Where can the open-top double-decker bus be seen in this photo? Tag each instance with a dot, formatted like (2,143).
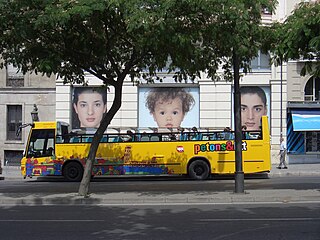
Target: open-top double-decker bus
(52,149)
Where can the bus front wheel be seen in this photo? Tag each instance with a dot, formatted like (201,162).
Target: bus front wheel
(73,172)
(199,170)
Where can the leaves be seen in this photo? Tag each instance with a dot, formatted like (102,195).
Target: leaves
(298,37)
(107,37)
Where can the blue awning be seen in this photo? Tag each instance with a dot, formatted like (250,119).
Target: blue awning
(306,120)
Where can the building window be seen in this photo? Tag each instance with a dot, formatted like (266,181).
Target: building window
(312,90)
(12,157)
(14,120)
(14,78)
(261,62)
(312,141)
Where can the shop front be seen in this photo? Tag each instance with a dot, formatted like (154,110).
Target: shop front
(303,132)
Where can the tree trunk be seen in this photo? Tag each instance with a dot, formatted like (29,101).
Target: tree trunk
(85,182)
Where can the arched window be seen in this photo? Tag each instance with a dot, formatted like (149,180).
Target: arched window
(312,89)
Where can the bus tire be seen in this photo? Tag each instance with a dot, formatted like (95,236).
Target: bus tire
(73,172)
(199,170)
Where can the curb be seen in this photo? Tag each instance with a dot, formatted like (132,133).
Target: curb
(144,198)
(285,173)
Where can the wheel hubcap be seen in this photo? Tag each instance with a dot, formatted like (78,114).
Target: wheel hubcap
(198,170)
(73,172)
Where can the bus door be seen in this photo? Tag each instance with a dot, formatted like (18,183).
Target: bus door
(40,153)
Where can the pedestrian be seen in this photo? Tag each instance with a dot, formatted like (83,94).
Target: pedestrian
(283,152)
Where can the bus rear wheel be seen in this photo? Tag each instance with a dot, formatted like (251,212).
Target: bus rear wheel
(199,170)
(73,172)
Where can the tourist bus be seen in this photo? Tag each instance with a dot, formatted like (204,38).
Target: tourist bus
(53,150)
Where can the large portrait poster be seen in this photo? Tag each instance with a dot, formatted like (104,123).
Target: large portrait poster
(255,103)
(88,106)
(168,107)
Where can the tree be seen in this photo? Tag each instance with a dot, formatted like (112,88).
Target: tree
(298,38)
(109,39)
(113,39)
(234,34)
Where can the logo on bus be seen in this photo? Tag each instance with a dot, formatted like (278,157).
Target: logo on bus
(217,147)
(180,149)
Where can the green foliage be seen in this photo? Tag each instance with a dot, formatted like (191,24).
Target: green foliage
(298,38)
(112,38)
(230,27)
(68,37)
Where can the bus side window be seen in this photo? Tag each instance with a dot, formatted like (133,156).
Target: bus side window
(144,138)
(75,140)
(66,139)
(115,138)
(137,137)
(213,136)
(104,139)
(205,137)
(196,136)
(183,137)
(154,138)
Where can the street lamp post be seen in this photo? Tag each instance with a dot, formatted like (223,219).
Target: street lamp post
(281,80)
(239,174)
(34,113)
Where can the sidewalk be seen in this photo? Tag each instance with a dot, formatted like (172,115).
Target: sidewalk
(11,172)
(199,197)
(296,170)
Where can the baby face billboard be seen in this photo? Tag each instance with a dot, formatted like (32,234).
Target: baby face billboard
(88,106)
(168,107)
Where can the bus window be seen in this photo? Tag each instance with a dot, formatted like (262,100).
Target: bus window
(41,143)
(63,135)
(154,138)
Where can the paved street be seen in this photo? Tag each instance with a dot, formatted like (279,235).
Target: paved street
(297,184)
(286,206)
(185,221)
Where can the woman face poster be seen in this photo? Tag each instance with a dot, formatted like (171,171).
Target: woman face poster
(88,106)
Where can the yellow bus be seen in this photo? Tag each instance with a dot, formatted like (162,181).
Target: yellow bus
(52,149)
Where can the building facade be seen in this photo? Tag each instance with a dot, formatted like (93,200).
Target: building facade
(303,116)
(213,106)
(18,94)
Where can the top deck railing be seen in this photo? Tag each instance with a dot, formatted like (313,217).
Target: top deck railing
(159,136)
